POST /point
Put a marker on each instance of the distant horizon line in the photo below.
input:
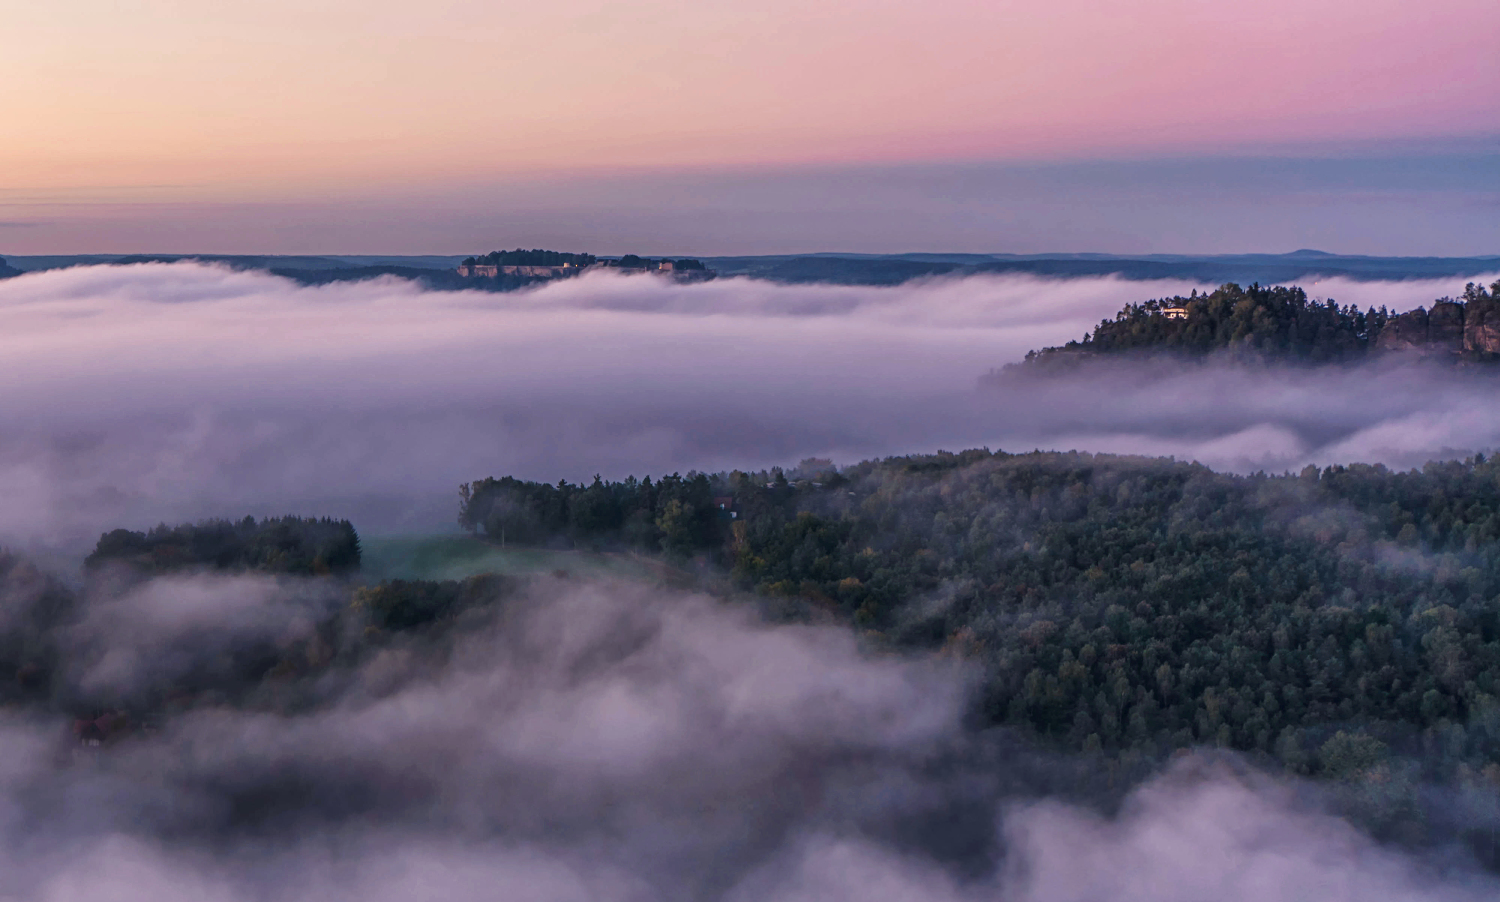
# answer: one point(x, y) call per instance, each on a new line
point(1300, 253)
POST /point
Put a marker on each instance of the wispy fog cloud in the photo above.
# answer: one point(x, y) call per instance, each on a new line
point(175, 627)
point(157, 391)
point(603, 742)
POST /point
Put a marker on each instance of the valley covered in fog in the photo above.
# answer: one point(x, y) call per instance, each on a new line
point(791, 451)
point(818, 662)
point(167, 392)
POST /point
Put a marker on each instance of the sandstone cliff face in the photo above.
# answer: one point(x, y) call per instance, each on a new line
point(1449, 328)
point(1482, 326)
point(1407, 332)
point(1445, 328)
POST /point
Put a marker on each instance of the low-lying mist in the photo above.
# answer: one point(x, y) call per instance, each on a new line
point(176, 391)
point(583, 739)
point(596, 741)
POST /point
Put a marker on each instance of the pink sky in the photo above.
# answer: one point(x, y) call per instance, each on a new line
point(189, 102)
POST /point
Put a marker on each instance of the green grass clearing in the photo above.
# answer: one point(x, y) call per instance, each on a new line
point(462, 556)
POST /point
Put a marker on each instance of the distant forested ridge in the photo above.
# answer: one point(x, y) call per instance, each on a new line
point(1244, 269)
point(437, 271)
point(632, 261)
point(1128, 605)
point(1280, 323)
point(274, 545)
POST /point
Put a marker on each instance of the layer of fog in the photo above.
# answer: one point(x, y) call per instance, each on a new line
point(188, 626)
point(594, 742)
point(168, 392)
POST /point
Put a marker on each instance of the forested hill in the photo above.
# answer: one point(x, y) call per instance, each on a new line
point(1342, 623)
point(294, 545)
point(1328, 620)
point(1282, 324)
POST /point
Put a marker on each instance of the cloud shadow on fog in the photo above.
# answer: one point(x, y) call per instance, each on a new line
point(175, 391)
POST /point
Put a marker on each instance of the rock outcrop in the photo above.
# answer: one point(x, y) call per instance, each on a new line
point(1407, 332)
point(1445, 328)
point(1482, 326)
point(1450, 328)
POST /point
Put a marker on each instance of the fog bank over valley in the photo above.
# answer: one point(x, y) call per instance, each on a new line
point(177, 391)
point(243, 711)
point(776, 453)
point(606, 741)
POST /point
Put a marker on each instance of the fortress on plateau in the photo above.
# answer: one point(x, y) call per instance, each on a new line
point(542, 264)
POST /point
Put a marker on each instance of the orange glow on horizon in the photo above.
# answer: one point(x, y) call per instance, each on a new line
point(163, 97)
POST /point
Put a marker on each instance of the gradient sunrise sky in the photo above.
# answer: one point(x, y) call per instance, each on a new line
point(450, 126)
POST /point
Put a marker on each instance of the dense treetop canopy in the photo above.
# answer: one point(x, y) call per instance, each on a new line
point(1342, 623)
point(632, 261)
point(1130, 606)
point(676, 514)
point(273, 545)
point(1255, 323)
point(1276, 321)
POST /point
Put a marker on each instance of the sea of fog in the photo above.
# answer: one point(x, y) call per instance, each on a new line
point(136, 394)
point(592, 740)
